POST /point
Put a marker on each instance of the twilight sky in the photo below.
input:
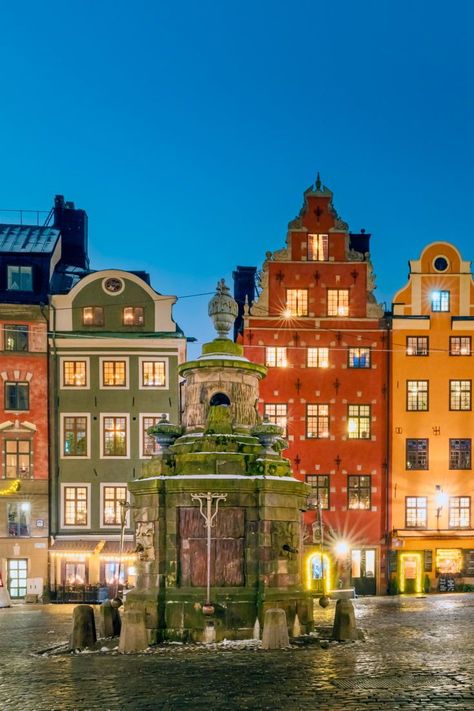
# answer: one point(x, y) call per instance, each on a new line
point(188, 131)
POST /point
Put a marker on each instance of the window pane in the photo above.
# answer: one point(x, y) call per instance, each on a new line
point(19, 278)
point(417, 453)
point(149, 444)
point(417, 346)
point(16, 338)
point(154, 373)
point(75, 505)
point(459, 453)
point(115, 437)
point(318, 358)
point(338, 302)
point(358, 426)
point(275, 357)
point(133, 316)
point(318, 247)
point(277, 413)
point(460, 394)
point(74, 373)
point(114, 373)
point(440, 301)
point(359, 357)
point(417, 395)
point(75, 436)
point(317, 421)
point(297, 302)
point(93, 316)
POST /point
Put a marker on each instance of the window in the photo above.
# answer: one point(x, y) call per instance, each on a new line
point(317, 421)
point(133, 316)
point(417, 345)
point(275, 357)
point(112, 496)
point(440, 301)
point(358, 492)
point(19, 278)
point(111, 572)
point(319, 484)
point(18, 515)
point(149, 444)
point(74, 373)
point(459, 394)
point(17, 458)
point(74, 573)
point(16, 338)
point(75, 506)
point(417, 454)
point(17, 396)
point(338, 302)
point(114, 436)
point(359, 358)
point(153, 373)
point(417, 395)
point(297, 302)
point(459, 453)
point(114, 374)
point(416, 511)
point(318, 248)
point(278, 414)
point(75, 436)
point(93, 316)
point(460, 345)
point(358, 425)
point(459, 512)
point(318, 358)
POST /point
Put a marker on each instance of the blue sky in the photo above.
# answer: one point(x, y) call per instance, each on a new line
point(188, 131)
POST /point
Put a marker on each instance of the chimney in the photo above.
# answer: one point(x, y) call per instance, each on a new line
point(73, 226)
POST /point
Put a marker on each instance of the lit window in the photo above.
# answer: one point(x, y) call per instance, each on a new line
point(358, 426)
point(460, 512)
point(358, 492)
point(338, 302)
point(459, 453)
point(74, 573)
point(17, 396)
point(149, 444)
point(113, 496)
point(153, 373)
point(318, 358)
point(133, 316)
point(417, 345)
point(275, 356)
point(114, 373)
point(417, 453)
point(17, 458)
point(115, 436)
point(416, 511)
point(16, 338)
point(317, 421)
point(417, 395)
point(18, 515)
point(459, 394)
point(19, 278)
point(75, 506)
point(111, 570)
point(440, 301)
point(460, 345)
point(75, 436)
point(319, 484)
point(297, 302)
point(75, 373)
point(93, 316)
point(278, 414)
point(318, 248)
point(359, 357)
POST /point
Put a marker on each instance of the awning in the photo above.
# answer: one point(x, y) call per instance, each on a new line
point(82, 548)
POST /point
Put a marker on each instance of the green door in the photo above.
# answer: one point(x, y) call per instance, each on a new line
point(17, 575)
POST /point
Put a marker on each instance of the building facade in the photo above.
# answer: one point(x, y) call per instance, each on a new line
point(431, 487)
point(317, 327)
point(114, 354)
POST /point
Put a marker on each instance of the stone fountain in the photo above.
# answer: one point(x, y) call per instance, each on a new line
point(218, 512)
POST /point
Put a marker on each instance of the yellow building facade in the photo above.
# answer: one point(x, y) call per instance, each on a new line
point(431, 484)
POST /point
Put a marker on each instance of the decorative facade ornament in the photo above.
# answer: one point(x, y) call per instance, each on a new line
point(223, 310)
point(144, 535)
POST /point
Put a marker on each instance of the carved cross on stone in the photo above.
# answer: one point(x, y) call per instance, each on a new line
point(298, 385)
point(338, 461)
point(297, 461)
point(336, 385)
point(316, 277)
point(279, 276)
point(354, 275)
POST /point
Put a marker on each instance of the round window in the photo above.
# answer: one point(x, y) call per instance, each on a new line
point(440, 264)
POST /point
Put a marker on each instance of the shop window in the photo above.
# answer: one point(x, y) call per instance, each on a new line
point(16, 338)
point(74, 573)
point(318, 248)
point(317, 421)
point(358, 421)
point(278, 414)
point(93, 316)
point(417, 395)
point(76, 504)
point(358, 492)
point(19, 278)
point(440, 300)
point(275, 357)
point(75, 436)
point(111, 571)
point(18, 515)
point(18, 459)
point(459, 394)
point(449, 561)
point(416, 511)
point(417, 453)
point(359, 358)
point(318, 358)
point(319, 484)
point(297, 302)
point(460, 345)
point(460, 453)
point(17, 396)
point(417, 346)
point(133, 316)
point(338, 302)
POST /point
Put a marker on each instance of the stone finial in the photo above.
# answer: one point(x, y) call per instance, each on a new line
point(318, 183)
point(223, 309)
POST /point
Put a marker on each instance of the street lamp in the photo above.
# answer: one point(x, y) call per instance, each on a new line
point(441, 498)
point(324, 599)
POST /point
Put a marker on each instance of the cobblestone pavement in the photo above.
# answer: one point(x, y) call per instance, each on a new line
point(418, 654)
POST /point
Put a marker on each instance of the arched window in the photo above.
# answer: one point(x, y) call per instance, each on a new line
point(219, 399)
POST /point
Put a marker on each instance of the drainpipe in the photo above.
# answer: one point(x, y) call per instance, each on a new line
point(388, 430)
point(54, 450)
point(48, 559)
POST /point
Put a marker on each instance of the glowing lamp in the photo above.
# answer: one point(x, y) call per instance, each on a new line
point(341, 548)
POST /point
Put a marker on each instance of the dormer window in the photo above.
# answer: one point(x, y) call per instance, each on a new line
point(318, 248)
point(133, 316)
point(93, 316)
point(19, 278)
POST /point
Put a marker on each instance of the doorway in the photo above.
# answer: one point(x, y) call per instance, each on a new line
point(17, 575)
point(363, 578)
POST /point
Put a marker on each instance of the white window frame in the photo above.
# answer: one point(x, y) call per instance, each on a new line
point(277, 354)
point(141, 418)
point(103, 484)
point(62, 438)
point(69, 359)
point(85, 485)
point(153, 359)
point(103, 415)
point(114, 359)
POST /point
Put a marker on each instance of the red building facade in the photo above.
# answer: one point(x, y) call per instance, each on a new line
point(318, 328)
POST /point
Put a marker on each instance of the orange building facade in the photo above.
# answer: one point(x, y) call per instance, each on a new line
point(431, 485)
point(317, 327)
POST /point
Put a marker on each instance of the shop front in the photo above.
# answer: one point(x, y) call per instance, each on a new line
point(435, 568)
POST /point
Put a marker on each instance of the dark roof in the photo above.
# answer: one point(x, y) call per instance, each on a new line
point(24, 239)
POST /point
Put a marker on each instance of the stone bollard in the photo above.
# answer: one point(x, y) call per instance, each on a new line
point(133, 637)
point(5, 598)
point(83, 628)
point(275, 630)
point(110, 623)
point(344, 628)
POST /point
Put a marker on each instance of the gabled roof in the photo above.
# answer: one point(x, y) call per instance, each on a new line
point(23, 239)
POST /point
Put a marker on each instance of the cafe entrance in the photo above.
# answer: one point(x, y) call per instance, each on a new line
point(363, 578)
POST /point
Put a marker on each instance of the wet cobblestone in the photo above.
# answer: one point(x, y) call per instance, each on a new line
point(418, 654)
